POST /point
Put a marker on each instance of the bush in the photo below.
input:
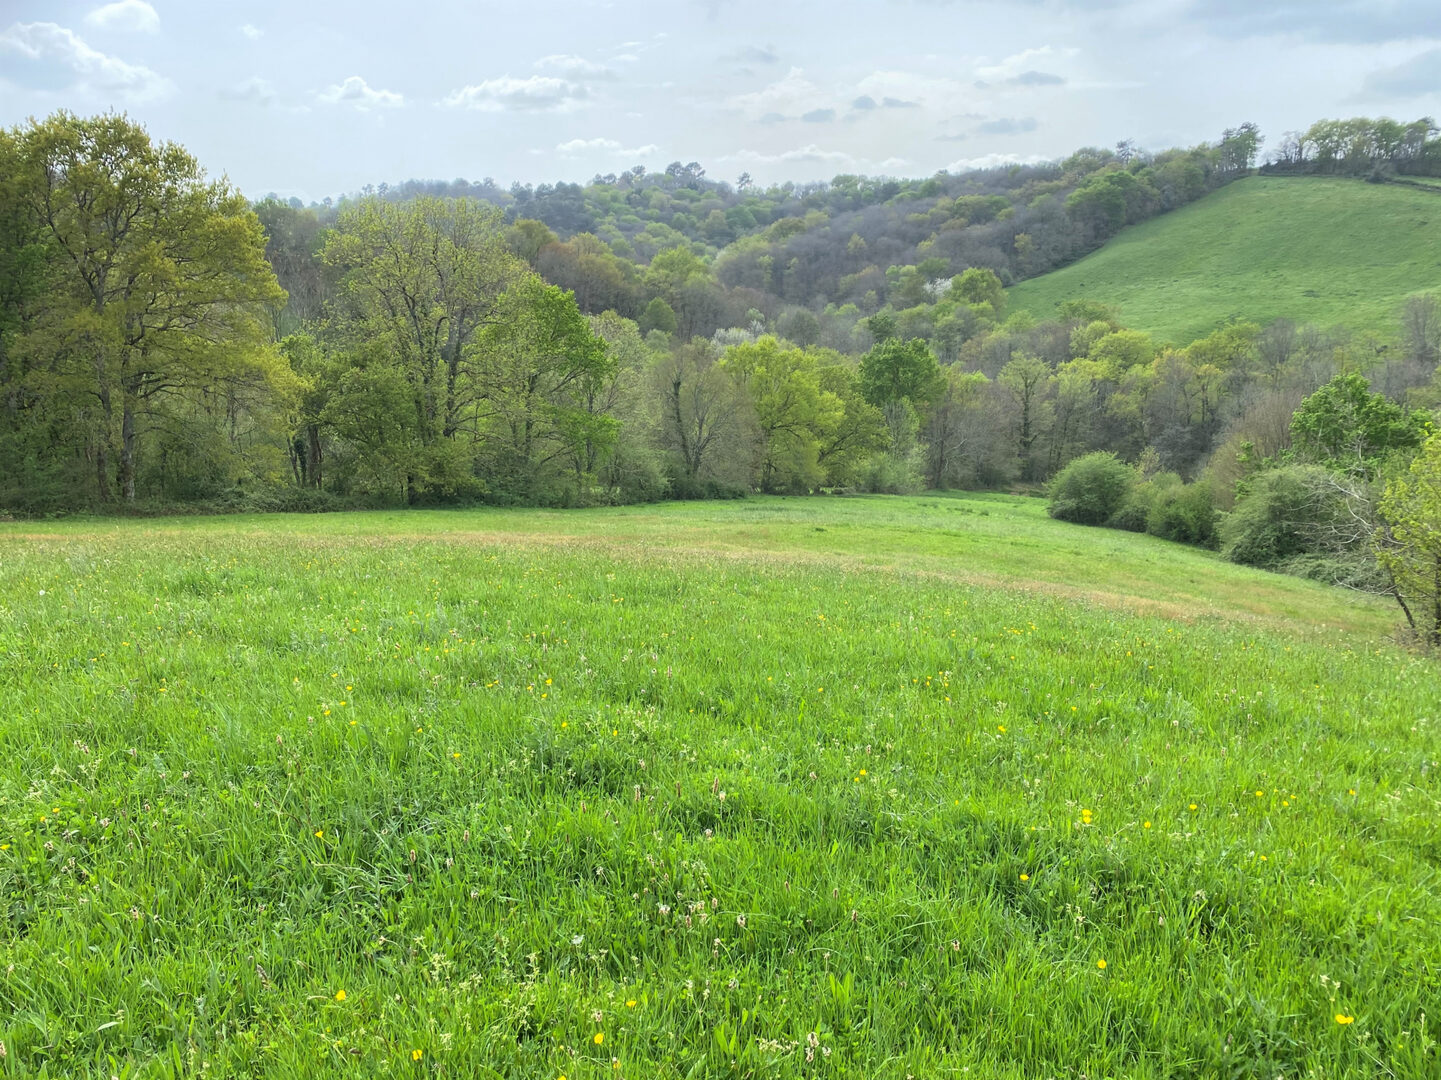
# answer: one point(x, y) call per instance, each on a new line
point(634, 474)
point(1136, 509)
point(1185, 513)
point(1091, 489)
point(890, 474)
point(1286, 513)
point(1358, 571)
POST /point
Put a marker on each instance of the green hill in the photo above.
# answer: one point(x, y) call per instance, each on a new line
point(1321, 251)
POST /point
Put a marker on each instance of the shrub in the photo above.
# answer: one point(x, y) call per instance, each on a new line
point(1353, 570)
point(1286, 513)
point(1185, 513)
point(891, 474)
point(634, 474)
point(1136, 509)
point(1091, 489)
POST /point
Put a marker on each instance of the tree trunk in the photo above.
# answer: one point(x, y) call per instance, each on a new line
point(128, 442)
point(102, 445)
point(102, 473)
point(313, 457)
point(1435, 634)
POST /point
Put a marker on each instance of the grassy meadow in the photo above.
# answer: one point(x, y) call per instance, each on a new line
point(1310, 249)
point(869, 788)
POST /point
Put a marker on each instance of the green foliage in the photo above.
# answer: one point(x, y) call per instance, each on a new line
point(795, 416)
point(979, 285)
point(539, 370)
point(1346, 428)
point(138, 300)
point(896, 371)
point(1185, 513)
point(658, 316)
point(1286, 512)
point(451, 341)
point(482, 846)
point(1410, 545)
point(1091, 489)
point(1111, 199)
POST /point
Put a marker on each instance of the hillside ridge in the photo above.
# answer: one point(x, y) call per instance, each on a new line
point(1262, 248)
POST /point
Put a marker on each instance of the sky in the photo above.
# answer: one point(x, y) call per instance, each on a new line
point(311, 100)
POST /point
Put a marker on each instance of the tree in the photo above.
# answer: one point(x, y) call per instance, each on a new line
point(658, 316)
point(794, 415)
point(540, 375)
point(702, 422)
point(979, 285)
point(897, 371)
point(1409, 547)
point(161, 285)
point(422, 281)
point(951, 429)
point(1091, 489)
point(860, 432)
point(1345, 427)
point(527, 238)
point(292, 247)
point(1239, 147)
point(33, 425)
point(1024, 378)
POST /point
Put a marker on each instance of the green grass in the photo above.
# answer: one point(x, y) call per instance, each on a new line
point(467, 767)
point(1314, 250)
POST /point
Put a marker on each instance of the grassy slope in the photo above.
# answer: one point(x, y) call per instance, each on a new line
point(466, 767)
point(1322, 251)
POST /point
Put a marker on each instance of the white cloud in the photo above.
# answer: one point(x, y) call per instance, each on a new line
point(255, 90)
point(796, 96)
point(355, 92)
point(134, 15)
point(98, 72)
point(1022, 63)
point(792, 94)
point(252, 32)
point(903, 87)
point(536, 93)
point(576, 147)
point(810, 154)
point(575, 66)
point(994, 161)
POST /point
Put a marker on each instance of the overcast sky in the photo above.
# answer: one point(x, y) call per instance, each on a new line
point(310, 99)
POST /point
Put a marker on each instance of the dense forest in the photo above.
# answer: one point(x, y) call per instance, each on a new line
point(164, 342)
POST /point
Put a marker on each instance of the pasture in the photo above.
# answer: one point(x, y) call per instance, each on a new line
point(870, 788)
point(1313, 250)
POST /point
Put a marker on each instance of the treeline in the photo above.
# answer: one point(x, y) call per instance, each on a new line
point(813, 259)
point(1360, 146)
point(163, 343)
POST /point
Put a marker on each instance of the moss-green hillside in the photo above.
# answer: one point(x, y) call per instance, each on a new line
point(1322, 251)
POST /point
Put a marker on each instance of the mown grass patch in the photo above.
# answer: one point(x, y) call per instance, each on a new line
point(862, 788)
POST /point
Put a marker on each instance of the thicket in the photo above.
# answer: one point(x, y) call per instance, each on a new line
point(1100, 489)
